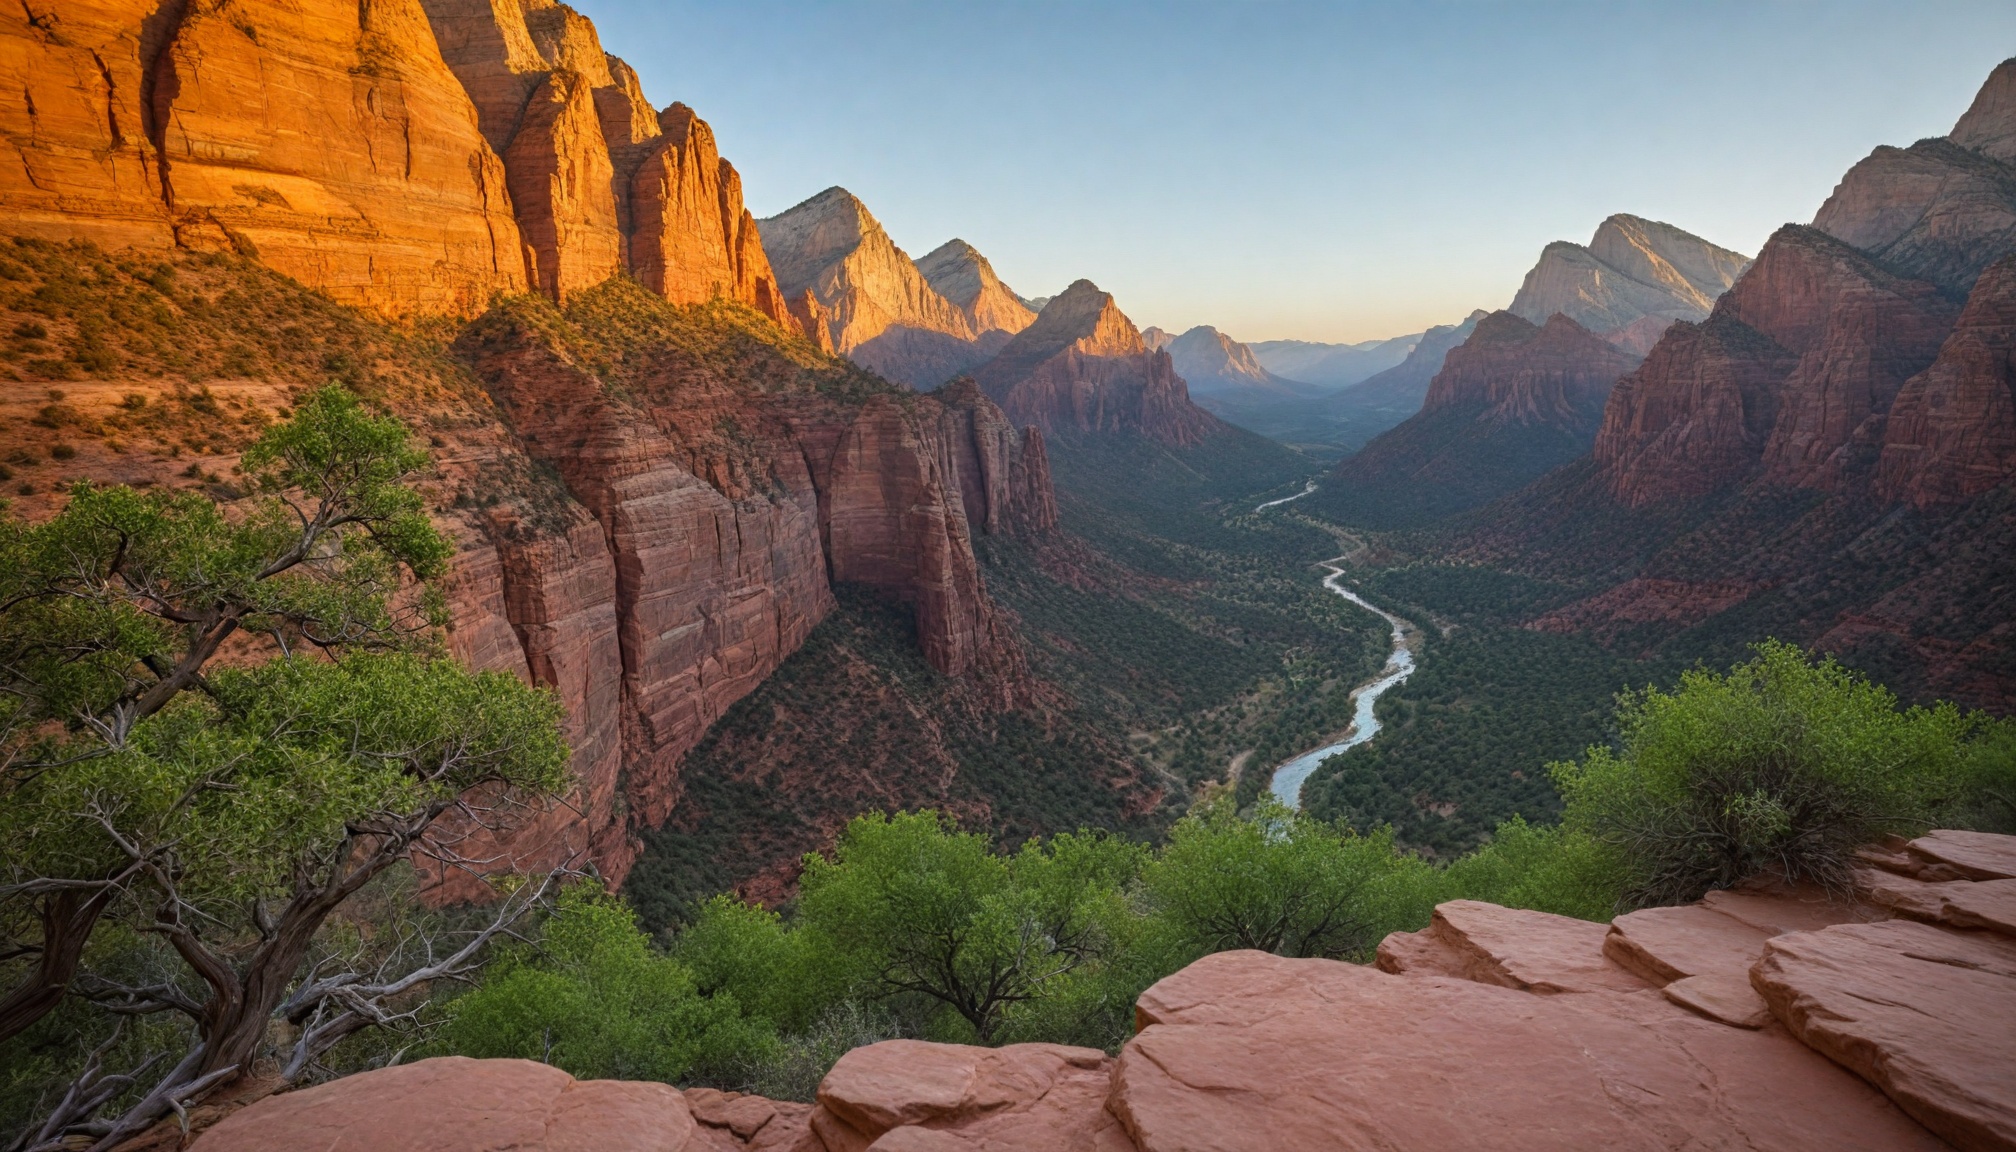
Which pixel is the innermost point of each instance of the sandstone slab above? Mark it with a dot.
(455, 1104)
(1532, 951)
(1666, 944)
(907, 1094)
(1926, 1013)
(1975, 855)
(1244, 1050)
(1722, 997)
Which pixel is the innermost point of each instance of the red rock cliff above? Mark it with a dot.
(1555, 373)
(1952, 431)
(717, 518)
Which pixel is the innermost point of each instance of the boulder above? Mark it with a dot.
(1244, 1050)
(907, 1094)
(455, 1104)
(1926, 1013)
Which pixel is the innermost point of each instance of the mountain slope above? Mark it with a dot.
(1510, 403)
(1831, 454)
(962, 275)
(1633, 278)
(839, 266)
(1214, 363)
(1083, 366)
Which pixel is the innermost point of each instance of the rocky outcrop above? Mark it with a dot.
(330, 139)
(877, 307)
(1004, 475)
(455, 1104)
(1083, 367)
(75, 120)
(1511, 403)
(1632, 269)
(1765, 1016)
(691, 239)
(1936, 211)
(958, 272)
(1951, 432)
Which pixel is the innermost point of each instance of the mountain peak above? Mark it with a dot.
(1989, 124)
(1086, 317)
(958, 272)
(1631, 268)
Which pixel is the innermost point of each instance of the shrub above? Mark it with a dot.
(1782, 765)
(597, 1001)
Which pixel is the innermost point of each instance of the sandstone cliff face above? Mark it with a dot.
(1951, 433)
(962, 275)
(1632, 269)
(1082, 366)
(1556, 373)
(1814, 341)
(877, 307)
(562, 182)
(75, 119)
(330, 139)
(1935, 211)
(403, 155)
(707, 556)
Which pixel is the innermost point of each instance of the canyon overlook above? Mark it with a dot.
(1764, 1016)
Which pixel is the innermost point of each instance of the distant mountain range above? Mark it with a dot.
(1333, 365)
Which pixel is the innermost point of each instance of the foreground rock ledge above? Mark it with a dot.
(1765, 1018)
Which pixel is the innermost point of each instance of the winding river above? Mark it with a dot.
(1289, 777)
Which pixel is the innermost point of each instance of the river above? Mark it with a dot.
(1289, 777)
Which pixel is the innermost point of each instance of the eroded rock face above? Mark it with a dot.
(1814, 341)
(330, 139)
(1951, 433)
(562, 183)
(691, 239)
(74, 122)
(1083, 367)
(704, 559)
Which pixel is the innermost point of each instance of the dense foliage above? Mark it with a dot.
(1781, 765)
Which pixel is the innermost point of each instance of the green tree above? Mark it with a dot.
(1278, 881)
(230, 813)
(926, 909)
(1782, 764)
(595, 999)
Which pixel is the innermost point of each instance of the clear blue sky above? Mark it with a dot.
(1318, 171)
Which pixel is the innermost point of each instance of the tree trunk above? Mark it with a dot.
(67, 920)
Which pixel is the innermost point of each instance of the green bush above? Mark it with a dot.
(1782, 765)
(597, 1000)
